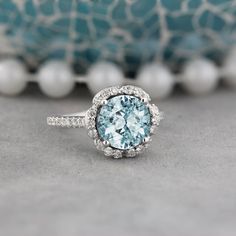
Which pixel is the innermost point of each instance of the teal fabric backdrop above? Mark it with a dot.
(128, 32)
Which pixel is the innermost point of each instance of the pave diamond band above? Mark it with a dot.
(121, 121)
(76, 120)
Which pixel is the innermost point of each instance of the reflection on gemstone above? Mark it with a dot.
(124, 122)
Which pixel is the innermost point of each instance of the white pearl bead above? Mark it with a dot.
(13, 77)
(156, 79)
(200, 76)
(229, 69)
(102, 75)
(56, 79)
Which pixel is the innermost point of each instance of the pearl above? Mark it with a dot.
(13, 77)
(229, 69)
(102, 75)
(56, 79)
(156, 79)
(200, 76)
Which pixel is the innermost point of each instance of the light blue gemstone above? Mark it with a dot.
(124, 122)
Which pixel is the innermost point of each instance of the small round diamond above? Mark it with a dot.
(124, 122)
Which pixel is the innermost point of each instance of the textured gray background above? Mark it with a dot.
(54, 183)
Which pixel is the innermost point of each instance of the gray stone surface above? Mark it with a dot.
(54, 183)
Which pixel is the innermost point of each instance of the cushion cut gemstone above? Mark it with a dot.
(124, 122)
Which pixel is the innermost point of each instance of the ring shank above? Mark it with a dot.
(76, 120)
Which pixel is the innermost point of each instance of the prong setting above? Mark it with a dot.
(144, 100)
(104, 102)
(106, 143)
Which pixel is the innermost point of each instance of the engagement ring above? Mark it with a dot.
(121, 121)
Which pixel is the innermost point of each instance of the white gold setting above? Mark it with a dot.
(88, 120)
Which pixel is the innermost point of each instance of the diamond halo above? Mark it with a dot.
(100, 100)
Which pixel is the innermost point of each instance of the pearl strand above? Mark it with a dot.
(56, 79)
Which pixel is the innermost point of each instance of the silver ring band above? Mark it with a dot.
(76, 120)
